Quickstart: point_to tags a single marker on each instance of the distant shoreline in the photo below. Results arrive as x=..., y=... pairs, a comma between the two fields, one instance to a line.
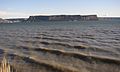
x=38, y=18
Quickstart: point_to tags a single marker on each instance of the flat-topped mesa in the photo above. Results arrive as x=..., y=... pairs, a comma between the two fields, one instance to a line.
x=38, y=18
x=89, y=17
x=63, y=18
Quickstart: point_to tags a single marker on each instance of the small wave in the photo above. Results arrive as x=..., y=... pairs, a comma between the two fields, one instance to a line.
x=81, y=56
x=84, y=57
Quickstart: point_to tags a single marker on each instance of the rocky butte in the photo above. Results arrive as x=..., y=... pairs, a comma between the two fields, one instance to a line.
x=63, y=18
x=52, y=18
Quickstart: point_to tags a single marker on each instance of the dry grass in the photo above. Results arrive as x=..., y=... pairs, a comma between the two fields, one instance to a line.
x=5, y=66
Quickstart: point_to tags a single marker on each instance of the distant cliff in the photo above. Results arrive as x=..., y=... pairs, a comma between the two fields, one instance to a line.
x=38, y=18
x=89, y=17
x=52, y=18
x=63, y=18
x=109, y=18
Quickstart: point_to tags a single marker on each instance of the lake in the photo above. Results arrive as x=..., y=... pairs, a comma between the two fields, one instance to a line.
x=64, y=46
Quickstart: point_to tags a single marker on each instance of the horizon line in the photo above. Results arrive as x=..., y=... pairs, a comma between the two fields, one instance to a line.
x=61, y=14
x=51, y=15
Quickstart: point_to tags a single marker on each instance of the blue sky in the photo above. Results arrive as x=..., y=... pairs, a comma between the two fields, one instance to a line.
x=25, y=8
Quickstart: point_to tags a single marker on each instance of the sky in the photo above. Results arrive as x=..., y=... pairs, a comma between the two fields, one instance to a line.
x=26, y=8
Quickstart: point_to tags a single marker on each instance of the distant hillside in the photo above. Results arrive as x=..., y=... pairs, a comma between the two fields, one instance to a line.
x=58, y=18
x=109, y=18
x=51, y=18
x=63, y=18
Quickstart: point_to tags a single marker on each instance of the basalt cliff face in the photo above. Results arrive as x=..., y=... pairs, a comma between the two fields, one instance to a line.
x=63, y=18
x=52, y=18
x=89, y=17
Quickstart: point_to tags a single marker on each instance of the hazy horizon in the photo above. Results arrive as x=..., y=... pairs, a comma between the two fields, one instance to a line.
x=58, y=14
x=26, y=8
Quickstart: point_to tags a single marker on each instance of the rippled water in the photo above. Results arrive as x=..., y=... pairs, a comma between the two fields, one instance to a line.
x=91, y=38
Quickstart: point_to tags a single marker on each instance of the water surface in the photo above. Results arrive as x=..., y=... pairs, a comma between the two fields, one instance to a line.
x=57, y=41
